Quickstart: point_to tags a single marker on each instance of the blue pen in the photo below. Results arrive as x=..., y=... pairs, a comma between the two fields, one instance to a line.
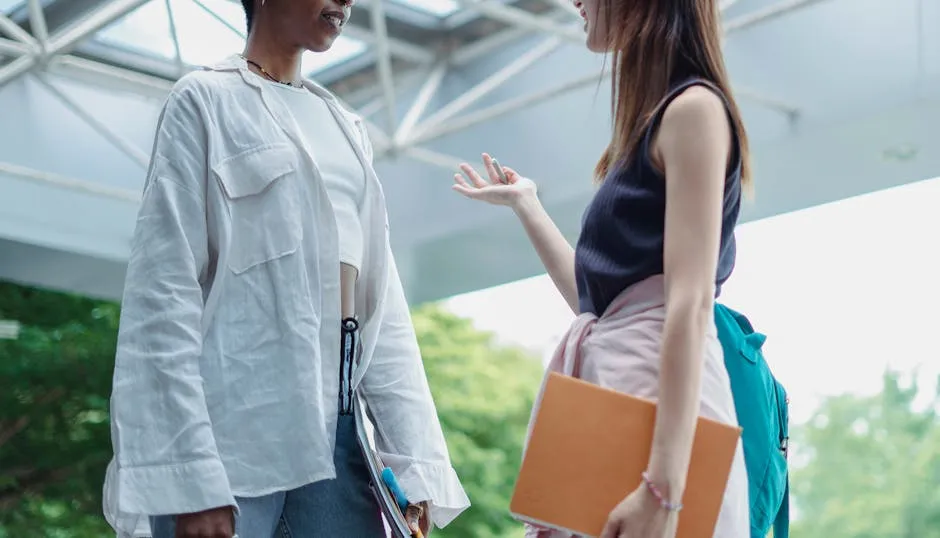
x=392, y=483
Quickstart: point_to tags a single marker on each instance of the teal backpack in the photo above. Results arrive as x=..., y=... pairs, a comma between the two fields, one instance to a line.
x=761, y=404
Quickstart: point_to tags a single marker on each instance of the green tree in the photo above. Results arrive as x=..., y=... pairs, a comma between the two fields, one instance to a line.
x=873, y=467
x=54, y=434
x=484, y=394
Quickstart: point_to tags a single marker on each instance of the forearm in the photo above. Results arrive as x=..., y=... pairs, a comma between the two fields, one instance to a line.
x=680, y=380
x=553, y=249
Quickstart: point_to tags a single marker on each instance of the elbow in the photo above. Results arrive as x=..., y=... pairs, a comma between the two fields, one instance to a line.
x=692, y=305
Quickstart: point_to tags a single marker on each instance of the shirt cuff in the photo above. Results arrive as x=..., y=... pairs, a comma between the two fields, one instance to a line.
x=433, y=482
x=181, y=488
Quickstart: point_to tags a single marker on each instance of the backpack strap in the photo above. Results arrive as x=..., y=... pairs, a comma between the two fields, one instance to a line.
x=782, y=523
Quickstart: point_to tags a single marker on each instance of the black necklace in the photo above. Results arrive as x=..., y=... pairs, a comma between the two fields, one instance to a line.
x=270, y=77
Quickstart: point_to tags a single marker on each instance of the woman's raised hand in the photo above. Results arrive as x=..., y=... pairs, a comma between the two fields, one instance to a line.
x=511, y=192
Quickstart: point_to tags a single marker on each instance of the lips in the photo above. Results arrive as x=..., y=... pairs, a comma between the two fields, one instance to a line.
x=580, y=8
x=336, y=19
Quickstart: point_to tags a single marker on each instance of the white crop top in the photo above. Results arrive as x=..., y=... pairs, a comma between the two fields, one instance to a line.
x=341, y=170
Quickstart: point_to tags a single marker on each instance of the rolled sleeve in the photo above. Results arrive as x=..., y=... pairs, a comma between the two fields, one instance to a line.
x=409, y=437
x=166, y=456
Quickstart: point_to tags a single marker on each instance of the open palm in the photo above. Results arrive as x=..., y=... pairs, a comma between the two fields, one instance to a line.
x=493, y=190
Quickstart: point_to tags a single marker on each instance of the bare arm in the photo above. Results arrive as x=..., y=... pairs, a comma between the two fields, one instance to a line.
x=519, y=193
x=693, y=146
x=553, y=249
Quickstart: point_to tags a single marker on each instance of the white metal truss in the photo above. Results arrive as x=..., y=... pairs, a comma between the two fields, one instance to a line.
x=39, y=51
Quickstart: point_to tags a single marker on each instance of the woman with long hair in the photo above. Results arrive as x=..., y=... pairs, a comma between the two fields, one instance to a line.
x=657, y=243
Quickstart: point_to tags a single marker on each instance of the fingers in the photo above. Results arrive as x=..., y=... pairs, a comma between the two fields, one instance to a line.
x=475, y=178
x=491, y=168
x=461, y=186
x=511, y=175
x=413, y=517
x=215, y=523
x=459, y=180
x=467, y=191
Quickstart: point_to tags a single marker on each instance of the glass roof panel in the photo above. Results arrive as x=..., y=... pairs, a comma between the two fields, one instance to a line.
x=145, y=30
x=205, y=37
x=6, y=6
x=441, y=8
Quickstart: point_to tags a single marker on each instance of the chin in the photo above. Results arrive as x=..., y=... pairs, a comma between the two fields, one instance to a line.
x=596, y=45
x=592, y=41
x=320, y=45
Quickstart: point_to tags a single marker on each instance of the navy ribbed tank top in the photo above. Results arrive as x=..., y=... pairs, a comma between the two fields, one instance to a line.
x=621, y=240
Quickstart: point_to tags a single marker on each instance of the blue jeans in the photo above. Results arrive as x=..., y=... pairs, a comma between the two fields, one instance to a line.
x=341, y=508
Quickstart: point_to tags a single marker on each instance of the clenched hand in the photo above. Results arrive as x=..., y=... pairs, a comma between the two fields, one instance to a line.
x=214, y=523
x=418, y=519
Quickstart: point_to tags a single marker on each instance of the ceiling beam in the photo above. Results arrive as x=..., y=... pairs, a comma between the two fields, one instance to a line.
x=401, y=49
x=425, y=94
x=766, y=14
x=383, y=65
x=508, y=106
x=88, y=25
x=14, y=48
x=16, y=68
x=15, y=31
x=37, y=23
x=487, y=85
x=62, y=41
x=69, y=183
x=126, y=147
x=514, y=16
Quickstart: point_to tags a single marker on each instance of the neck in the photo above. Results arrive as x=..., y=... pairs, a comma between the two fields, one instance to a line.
x=280, y=59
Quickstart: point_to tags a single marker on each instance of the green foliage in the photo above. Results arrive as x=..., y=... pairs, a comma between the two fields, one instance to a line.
x=54, y=433
x=873, y=467
x=484, y=394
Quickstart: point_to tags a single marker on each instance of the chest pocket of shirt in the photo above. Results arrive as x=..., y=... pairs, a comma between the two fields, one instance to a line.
x=264, y=203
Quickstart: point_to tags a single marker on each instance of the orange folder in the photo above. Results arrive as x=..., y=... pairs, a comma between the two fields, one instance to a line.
x=588, y=449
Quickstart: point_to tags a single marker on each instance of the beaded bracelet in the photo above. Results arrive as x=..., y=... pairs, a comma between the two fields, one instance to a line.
x=669, y=506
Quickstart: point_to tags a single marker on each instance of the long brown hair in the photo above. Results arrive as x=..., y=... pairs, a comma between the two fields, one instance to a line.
x=653, y=41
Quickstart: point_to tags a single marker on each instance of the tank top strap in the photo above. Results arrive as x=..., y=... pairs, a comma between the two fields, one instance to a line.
x=674, y=92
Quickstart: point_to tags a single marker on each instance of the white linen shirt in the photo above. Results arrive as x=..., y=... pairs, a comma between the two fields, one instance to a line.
x=227, y=371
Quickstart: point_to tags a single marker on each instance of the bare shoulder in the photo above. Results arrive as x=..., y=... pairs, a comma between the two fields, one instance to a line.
x=695, y=132
x=697, y=111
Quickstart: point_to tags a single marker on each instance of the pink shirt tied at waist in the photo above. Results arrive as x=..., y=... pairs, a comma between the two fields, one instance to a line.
x=620, y=350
